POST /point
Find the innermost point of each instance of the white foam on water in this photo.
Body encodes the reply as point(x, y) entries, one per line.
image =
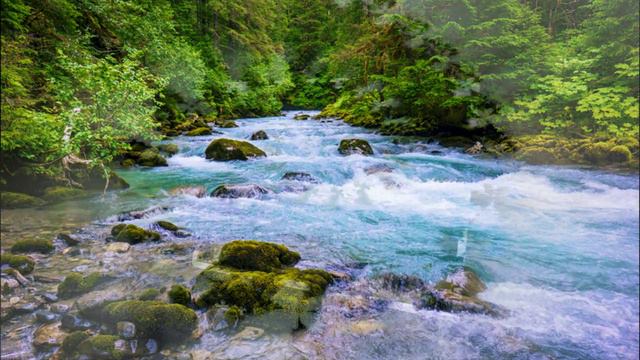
point(198, 163)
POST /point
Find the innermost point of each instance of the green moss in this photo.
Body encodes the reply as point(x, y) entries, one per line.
point(149, 294)
point(537, 155)
point(291, 289)
point(232, 315)
point(150, 157)
point(128, 163)
point(102, 347)
point(74, 284)
point(13, 200)
point(133, 234)
point(227, 149)
point(164, 322)
point(199, 132)
point(355, 146)
point(22, 263)
point(227, 124)
point(619, 154)
point(32, 245)
point(257, 255)
point(179, 294)
point(72, 342)
point(167, 225)
point(170, 149)
point(59, 193)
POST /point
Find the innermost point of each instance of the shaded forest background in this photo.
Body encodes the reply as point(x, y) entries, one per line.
point(82, 78)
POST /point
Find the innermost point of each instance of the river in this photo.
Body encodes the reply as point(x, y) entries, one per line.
point(557, 246)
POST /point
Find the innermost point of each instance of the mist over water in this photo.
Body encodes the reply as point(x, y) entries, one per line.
point(557, 247)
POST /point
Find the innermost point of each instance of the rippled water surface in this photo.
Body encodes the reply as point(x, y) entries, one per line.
point(557, 247)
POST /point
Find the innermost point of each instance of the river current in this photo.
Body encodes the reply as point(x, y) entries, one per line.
point(557, 246)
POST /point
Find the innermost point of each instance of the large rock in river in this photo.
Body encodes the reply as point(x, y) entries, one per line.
point(239, 191)
point(355, 146)
point(227, 149)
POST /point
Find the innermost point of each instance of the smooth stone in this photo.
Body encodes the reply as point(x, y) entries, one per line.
point(151, 346)
point(46, 317)
point(248, 333)
point(71, 251)
point(49, 335)
point(94, 299)
point(8, 284)
point(259, 135)
point(49, 297)
point(118, 247)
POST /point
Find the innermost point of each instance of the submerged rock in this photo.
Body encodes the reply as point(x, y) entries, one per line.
point(400, 283)
point(165, 322)
point(61, 193)
point(139, 214)
point(48, 336)
point(74, 284)
point(197, 191)
point(259, 135)
point(226, 124)
point(22, 263)
point(378, 168)
point(299, 176)
point(167, 225)
point(118, 247)
point(458, 293)
point(227, 150)
point(68, 239)
point(355, 146)
point(239, 191)
point(301, 117)
point(133, 234)
point(32, 245)
point(14, 200)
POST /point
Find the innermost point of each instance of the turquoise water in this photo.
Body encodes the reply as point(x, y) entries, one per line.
point(557, 247)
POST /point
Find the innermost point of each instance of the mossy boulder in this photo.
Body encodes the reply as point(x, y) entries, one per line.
point(537, 155)
point(149, 294)
point(101, 347)
point(232, 315)
point(151, 158)
point(200, 131)
point(14, 200)
point(170, 149)
point(257, 255)
point(133, 234)
point(606, 153)
point(355, 146)
point(179, 294)
point(227, 150)
point(290, 289)
point(153, 319)
point(167, 225)
point(301, 117)
point(32, 245)
point(127, 163)
point(226, 124)
point(239, 191)
point(75, 284)
point(61, 193)
point(22, 263)
point(259, 135)
point(72, 342)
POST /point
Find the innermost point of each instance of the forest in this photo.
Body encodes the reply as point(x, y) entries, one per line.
point(84, 78)
point(319, 179)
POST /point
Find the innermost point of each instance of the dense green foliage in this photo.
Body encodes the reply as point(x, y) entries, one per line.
point(82, 78)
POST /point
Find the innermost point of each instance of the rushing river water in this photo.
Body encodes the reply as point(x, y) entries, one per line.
point(557, 247)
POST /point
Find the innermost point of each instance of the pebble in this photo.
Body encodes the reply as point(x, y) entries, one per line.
point(152, 346)
point(118, 247)
point(49, 297)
